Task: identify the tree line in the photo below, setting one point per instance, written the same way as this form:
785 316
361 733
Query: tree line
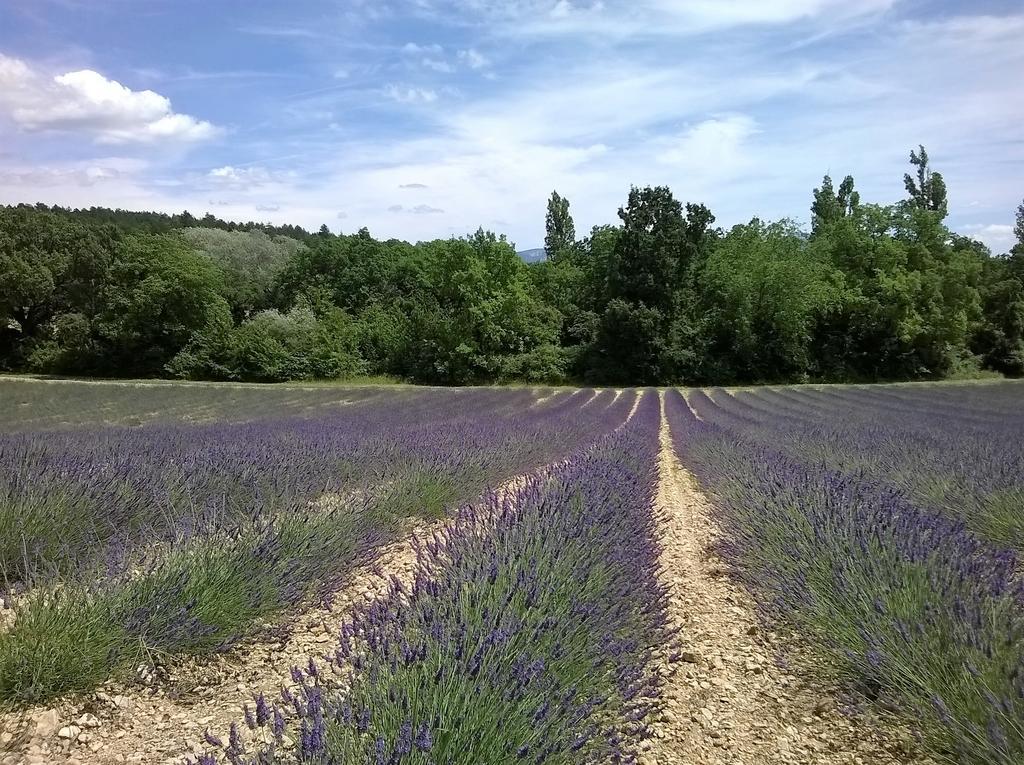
871 292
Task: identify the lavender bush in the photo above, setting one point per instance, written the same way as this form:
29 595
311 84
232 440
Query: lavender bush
525 636
915 610
952 448
175 537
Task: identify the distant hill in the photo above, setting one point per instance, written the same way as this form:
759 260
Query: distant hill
532 256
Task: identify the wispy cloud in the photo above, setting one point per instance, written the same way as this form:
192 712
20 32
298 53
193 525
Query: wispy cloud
410 95
438 65
416 210
416 49
473 58
999 237
620 19
742 105
292 32
714 144
44 177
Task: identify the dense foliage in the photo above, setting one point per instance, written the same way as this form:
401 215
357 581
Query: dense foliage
871 293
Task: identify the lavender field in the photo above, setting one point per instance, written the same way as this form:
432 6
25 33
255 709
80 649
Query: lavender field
876 529
883 524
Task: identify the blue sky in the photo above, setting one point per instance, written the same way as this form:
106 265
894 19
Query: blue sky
428 118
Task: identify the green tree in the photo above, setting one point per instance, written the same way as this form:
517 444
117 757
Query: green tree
560 232
829 205
271 346
999 339
481 317
646 261
630 343
209 353
765 291
644 272
159 292
910 300
1015 260
1000 336
1018 229
250 261
928 189
354 272
50 265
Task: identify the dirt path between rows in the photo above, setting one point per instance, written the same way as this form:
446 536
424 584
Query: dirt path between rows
728 700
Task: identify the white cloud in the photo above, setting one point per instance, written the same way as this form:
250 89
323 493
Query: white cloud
432 56
967 31
282 31
438 65
473 58
87 102
561 10
240 176
716 14
252 178
410 95
415 50
999 237
49 177
714 143
746 123
417 210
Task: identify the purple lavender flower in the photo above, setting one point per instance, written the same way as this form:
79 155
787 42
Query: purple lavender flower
250 719
424 741
279 724
213 740
263 710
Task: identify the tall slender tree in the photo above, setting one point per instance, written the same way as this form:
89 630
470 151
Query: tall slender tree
928 190
1018 230
560 231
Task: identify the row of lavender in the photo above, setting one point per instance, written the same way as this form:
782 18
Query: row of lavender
174 538
524 637
953 448
33 404
915 611
78 495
